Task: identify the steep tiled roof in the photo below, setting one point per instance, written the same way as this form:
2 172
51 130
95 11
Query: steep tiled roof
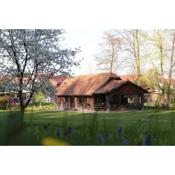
113 84
84 84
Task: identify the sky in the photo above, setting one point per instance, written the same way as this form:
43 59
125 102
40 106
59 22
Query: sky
88 40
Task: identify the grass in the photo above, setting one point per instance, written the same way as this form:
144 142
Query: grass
147 127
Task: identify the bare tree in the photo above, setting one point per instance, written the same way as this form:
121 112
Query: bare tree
110 48
164 45
132 46
158 43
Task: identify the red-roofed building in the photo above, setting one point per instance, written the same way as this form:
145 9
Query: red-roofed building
57 80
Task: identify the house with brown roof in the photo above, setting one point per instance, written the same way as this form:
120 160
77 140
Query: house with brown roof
103 91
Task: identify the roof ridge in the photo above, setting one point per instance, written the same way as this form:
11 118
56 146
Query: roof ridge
100 73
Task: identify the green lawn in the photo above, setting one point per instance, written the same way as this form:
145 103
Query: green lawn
147 127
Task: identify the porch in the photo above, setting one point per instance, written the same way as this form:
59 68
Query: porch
101 102
76 103
118 102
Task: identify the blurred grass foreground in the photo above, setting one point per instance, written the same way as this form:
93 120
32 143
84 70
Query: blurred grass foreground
48 127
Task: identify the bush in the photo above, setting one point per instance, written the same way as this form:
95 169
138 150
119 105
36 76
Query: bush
4 100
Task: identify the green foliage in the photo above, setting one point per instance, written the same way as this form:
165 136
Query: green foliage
149 79
39 97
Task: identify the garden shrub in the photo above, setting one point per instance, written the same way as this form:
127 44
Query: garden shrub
4 101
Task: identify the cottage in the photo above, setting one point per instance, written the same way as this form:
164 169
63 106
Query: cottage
103 91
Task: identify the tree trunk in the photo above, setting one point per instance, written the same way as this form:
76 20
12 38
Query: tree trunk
162 72
138 54
22 112
40 105
112 59
170 73
22 106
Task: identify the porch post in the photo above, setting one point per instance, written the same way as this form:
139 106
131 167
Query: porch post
68 103
107 103
76 103
141 101
61 104
93 104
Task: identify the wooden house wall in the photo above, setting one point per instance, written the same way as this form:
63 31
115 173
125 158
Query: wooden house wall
129 89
